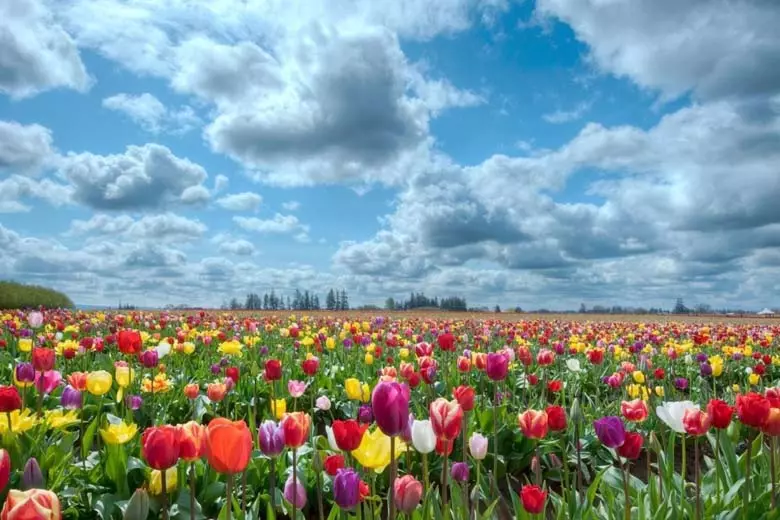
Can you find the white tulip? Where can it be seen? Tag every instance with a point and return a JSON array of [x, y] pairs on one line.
[[671, 413], [331, 439], [573, 365], [423, 438], [163, 349]]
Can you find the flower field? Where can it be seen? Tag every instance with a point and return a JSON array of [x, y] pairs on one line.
[[219, 415]]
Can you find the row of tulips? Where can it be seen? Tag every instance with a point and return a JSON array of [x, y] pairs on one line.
[[383, 418]]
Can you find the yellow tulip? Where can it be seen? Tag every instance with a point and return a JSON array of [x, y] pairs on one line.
[[25, 344], [21, 421], [659, 391], [124, 376], [352, 387], [188, 347], [60, 419], [369, 359], [374, 450], [231, 348], [638, 376], [171, 480], [278, 408], [330, 343], [118, 433], [403, 353], [735, 388], [366, 396], [753, 379], [99, 382]]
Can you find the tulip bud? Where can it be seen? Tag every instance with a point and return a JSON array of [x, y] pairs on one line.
[[576, 411], [32, 477], [137, 506], [535, 464]]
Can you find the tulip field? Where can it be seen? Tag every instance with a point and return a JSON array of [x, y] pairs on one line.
[[224, 415]]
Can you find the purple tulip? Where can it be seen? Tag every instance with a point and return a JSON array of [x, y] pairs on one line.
[[296, 495], [610, 431], [25, 373], [271, 437], [134, 402], [32, 477], [71, 398], [346, 488], [460, 472], [365, 414], [497, 366], [680, 383], [216, 369], [347, 343], [406, 435], [149, 358], [705, 369], [701, 357], [264, 350], [390, 404]]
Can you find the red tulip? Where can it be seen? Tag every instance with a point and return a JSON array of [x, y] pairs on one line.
[[545, 357], [634, 411], [696, 422], [465, 396], [533, 424], [296, 427], [129, 342], [773, 394], [5, 469], [233, 373], [160, 446], [556, 418], [720, 413], [390, 404], [42, 359], [333, 463], [554, 386], [348, 434], [446, 342], [753, 409], [10, 399], [192, 438], [33, 504], [446, 418], [632, 446], [464, 364], [310, 366], [273, 370], [533, 499]]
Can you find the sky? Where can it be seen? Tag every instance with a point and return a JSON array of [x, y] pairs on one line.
[[523, 153]]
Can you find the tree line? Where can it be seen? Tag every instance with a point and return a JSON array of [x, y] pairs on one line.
[[419, 301], [300, 301]]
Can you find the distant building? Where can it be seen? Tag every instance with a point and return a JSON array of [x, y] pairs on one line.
[[766, 312]]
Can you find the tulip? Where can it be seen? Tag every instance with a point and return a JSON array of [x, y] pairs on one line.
[[43, 359], [610, 431], [671, 413], [32, 476], [192, 390], [38, 504], [295, 493], [310, 366], [348, 434], [160, 446], [423, 436], [407, 494], [446, 418], [632, 446], [273, 370], [296, 427], [25, 373], [353, 389], [772, 425], [556, 418], [478, 445], [216, 392], [138, 506], [374, 450], [346, 488], [271, 438], [228, 445], [634, 411], [150, 358], [497, 366], [333, 463], [390, 405], [753, 409], [460, 472], [156, 481], [533, 424], [323, 403], [465, 397], [365, 414], [5, 468], [120, 433], [296, 388], [533, 499], [192, 441], [99, 382], [696, 422], [10, 399], [35, 319], [129, 342], [278, 408]]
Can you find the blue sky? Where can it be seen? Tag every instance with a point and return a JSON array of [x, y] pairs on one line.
[[540, 154]]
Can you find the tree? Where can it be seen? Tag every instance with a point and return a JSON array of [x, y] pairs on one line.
[[679, 307], [330, 301], [344, 301], [497, 309], [583, 308], [390, 304]]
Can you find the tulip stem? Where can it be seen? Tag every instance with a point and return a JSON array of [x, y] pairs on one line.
[[40, 395], [229, 496], [717, 465], [320, 507], [192, 491], [393, 472], [495, 438], [697, 477], [538, 471], [295, 485], [164, 485], [444, 474], [748, 457], [426, 483], [772, 470], [11, 429], [243, 493], [627, 514], [579, 454], [272, 483], [463, 433]]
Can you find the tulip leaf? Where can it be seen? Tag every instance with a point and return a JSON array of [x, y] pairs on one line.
[[488, 514], [334, 512], [89, 436], [105, 505]]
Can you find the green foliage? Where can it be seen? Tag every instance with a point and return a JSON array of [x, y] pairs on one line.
[[14, 295]]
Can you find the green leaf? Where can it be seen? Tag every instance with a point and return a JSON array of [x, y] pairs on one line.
[[89, 436], [488, 514], [105, 505]]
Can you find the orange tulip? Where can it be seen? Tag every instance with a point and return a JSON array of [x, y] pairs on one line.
[[296, 429], [38, 504], [533, 424], [193, 441], [78, 380], [216, 392], [228, 445]]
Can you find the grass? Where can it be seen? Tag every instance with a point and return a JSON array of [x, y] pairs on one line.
[[14, 295]]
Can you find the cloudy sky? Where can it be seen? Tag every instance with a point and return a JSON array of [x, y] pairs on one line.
[[515, 152]]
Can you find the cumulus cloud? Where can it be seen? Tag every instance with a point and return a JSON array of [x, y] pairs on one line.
[[165, 226], [24, 148], [38, 54], [246, 201], [150, 114], [279, 224], [146, 176], [15, 189]]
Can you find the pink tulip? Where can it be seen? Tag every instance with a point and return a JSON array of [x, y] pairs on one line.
[[390, 403], [296, 388], [51, 379]]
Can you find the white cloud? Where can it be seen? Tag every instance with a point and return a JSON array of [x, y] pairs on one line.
[[279, 224], [567, 116], [150, 114], [246, 201], [146, 176], [37, 54], [16, 188], [166, 226], [291, 205], [24, 148]]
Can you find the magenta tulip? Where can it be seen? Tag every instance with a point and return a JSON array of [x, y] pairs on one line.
[[390, 403], [497, 366]]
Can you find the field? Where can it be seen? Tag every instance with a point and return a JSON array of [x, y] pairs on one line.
[[420, 415]]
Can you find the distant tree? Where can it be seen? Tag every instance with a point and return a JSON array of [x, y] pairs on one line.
[[390, 304], [330, 301], [583, 309], [679, 307], [497, 309], [234, 304], [344, 300]]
